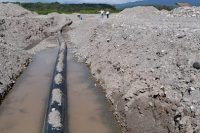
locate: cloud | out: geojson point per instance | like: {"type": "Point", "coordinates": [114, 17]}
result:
{"type": "Point", "coordinates": [73, 1]}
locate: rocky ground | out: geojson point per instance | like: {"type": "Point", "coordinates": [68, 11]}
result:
{"type": "Point", "coordinates": [20, 31]}
{"type": "Point", "coordinates": [148, 63]}
{"type": "Point", "coordinates": [146, 60]}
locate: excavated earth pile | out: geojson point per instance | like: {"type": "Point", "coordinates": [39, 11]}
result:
{"type": "Point", "coordinates": [186, 12]}
{"type": "Point", "coordinates": [148, 62]}
{"type": "Point", "coordinates": [21, 30]}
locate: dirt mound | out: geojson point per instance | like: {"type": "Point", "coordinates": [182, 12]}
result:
{"type": "Point", "coordinates": [139, 10]}
{"type": "Point", "coordinates": [145, 14]}
{"type": "Point", "coordinates": [27, 31]}
{"type": "Point", "coordinates": [21, 30]}
{"type": "Point", "coordinates": [186, 12]}
{"type": "Point", "coordinates": [13, 10]}
{"type": "Point", "coordinates": [146, 65]}
{"type": "Point", "coordinates": [12, 62]}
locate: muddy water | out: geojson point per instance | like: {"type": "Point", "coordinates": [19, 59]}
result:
{"type": "Point", "coordinates": [23, 109]}
{"type": "Point", "coordinates": [88, 109]}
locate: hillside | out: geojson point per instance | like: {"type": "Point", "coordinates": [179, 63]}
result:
{"type": "Point", "coordinates": [45, 8]}
{"type": "Point", "coordinates": [156, 2]}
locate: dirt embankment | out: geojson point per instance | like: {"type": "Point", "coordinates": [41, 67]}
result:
{"type": "Point", "coordinates": [21, 30]}
{"type": "Point", "coordinates": [144, 58]}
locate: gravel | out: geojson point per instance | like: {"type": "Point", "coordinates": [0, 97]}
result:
{"type": "Point", "coordinates": [58, 79]}
{"type": "Point", "coordinates": [20, 33]}
{"type": "Point", "coordinates": [186, 12]}
{"type": "Point", "coordinates": [144, 60]}
{"type": "Point", "coordinates": [12, 62]}
{"type": "Point", "coordinates": [54, 119]}
{"type": "Point", "coordinates": [57, 96]}
{"type": "Point", "coordinates": [13, 10]}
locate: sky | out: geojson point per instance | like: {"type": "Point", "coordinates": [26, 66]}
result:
{"type": "Point", "coordinates": [74, 1]}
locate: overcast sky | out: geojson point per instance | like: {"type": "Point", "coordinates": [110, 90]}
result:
{"type": "Point", "coordinates": [74, 1]}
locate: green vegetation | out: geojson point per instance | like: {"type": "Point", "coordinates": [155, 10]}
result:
{"type": "Point", "coordinates": [45, 8]}
{"type": "Point", "coordinates": [164, 7]}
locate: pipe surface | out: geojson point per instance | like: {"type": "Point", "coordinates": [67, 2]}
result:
{"type": "Point", "coordinates": [55, 118]}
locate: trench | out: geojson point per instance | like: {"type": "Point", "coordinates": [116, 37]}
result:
{"type": "Point", "coordinates": [89, 111]}
{"type": "Point", "coordinates": [24, 108]}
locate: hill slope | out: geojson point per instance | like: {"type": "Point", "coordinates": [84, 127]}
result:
{"type": "Point", "coordinates": [156, 2]}
{"type": "Point", "coordinates": [45, 8]}
{"type": "Point", "coordinates": [144, 60]}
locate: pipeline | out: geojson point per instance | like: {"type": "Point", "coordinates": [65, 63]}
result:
{"type": "Point", "coordinates": [56, 116]}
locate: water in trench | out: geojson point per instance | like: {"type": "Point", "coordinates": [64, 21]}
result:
{"type": "Point", "coordinates": [24, 108]}
{"type": "Point", "coordinates": [88, 108]}
{"type": "Point", "coordinates": [22, 111]}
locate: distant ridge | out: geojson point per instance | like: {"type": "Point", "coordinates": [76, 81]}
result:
{"type": "Point", "coordinates": [156, 2]}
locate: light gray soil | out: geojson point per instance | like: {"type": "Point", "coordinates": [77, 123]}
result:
{"type": "Point", "coordinates": [20, 31]}
{"type": "Point", "coordinates": [144, 60]}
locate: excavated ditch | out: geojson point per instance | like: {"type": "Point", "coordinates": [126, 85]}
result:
{"type": "Point", "coordinates": [89, 111]}
{"type": "Point", "coordinates": [23, 109]}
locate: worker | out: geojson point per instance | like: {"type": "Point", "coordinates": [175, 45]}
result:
{"type": "Point", "coordinates": [107, 14]}
{"type": "Point", "coordinates": [80, 16]}
{"type": "Point", "coordinates": [102, 13]}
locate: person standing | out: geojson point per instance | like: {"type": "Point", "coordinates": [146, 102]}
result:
{"type": "Point", "coordinates": [107, 14]}
{"type": "Point", "coordinates": [102, 13]}
{"type": "Point", "coordinates": [80, 16]}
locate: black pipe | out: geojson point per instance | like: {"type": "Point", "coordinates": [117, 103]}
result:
{"type": "Point", "coordinates": [56, 117]}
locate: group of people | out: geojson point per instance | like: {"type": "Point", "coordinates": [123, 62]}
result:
{"type": "Point", "coordinates": [107, 13]}
{"type": "Point", "coordinates": [80, 16]}
{"type": "Point", "coordinates": [102, 12]}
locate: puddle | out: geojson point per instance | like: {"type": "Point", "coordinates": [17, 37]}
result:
{"type": "Point", "coordinates": [22, 111]}
{"type": "Point", "coordinates": [89, 111]}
